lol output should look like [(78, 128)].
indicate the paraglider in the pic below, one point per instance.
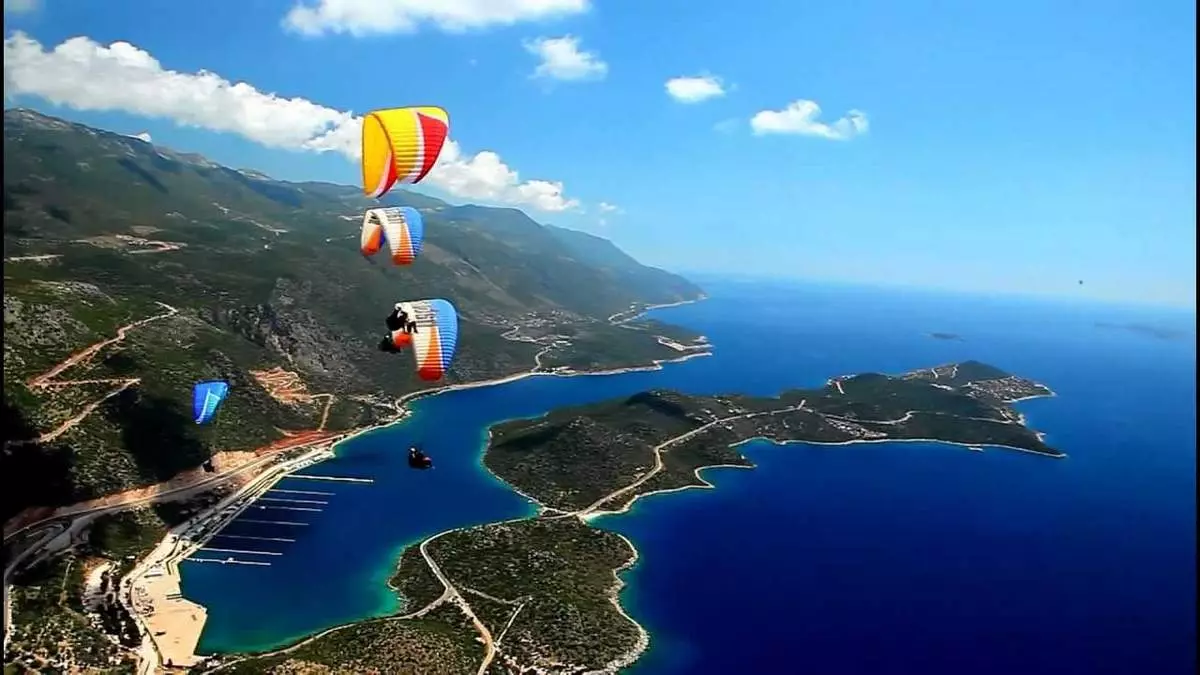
[(206, 398), (401, 145), (430, 328), (418, 459), (400, 228)]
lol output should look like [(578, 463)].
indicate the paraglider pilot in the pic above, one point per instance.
[(399, 320), (396, 321), (418, 459)]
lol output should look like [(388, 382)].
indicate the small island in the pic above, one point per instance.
[(953, 337), (540, 594)]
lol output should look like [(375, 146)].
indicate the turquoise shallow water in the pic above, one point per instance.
[(883, 558)]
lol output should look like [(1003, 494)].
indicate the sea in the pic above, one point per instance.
[(872, 558)]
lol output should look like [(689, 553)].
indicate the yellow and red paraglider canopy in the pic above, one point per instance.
[(401, 145)]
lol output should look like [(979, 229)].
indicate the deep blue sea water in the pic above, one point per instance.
[(874, 558)]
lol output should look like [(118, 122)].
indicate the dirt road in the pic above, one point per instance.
[(119, 384), (658, 457)]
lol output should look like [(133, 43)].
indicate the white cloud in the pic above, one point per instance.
[(800, 117), (606, 210), (377, 17), (144, 136), (695, 89), (86, 75), (21, 6), (562, 60)]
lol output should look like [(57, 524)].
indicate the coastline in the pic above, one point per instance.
[(705, 485), (1050, 393), (641, 645), (542, 509), (451, 593), (156, 582), (974, 447), (327, 449), (588, 518), (655, 364), (640, 312), (643, 641)]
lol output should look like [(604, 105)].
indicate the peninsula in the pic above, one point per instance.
[(596, 458), (540, 594)]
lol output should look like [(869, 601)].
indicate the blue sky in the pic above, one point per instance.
[(1006, 147)]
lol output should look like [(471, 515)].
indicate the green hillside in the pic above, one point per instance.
[(259, 274)]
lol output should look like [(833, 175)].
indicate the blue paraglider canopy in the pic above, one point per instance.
[(206, 398)]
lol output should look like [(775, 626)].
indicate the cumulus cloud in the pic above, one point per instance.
[(605, 207), (561, 59), (21, 6), (695, 89), (86, 75), (377, 17), (800, 118)]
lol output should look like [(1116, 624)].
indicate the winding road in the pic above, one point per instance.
[(658, 457), (449, 594), (47, 379), (453, 595), (72, 518)]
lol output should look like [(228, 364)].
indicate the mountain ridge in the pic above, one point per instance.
[(103, 230)]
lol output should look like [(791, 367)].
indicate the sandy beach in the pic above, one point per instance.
[(172, 624)]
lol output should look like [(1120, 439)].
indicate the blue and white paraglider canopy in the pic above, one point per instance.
[(206, 398)]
